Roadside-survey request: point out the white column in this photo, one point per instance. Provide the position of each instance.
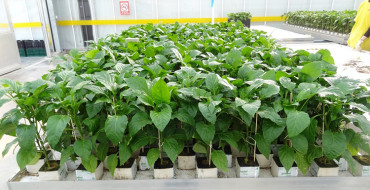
(266, 10)
(73, 28)
(93, 17)
(310, 5)
(354, 5)
(332, 4)
(114, 14)
(28, 18)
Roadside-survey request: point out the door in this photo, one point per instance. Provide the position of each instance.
(9, 54)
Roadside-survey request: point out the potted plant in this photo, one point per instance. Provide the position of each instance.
(244, 17)
(362, 167)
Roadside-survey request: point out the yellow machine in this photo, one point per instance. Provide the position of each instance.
(361, 26)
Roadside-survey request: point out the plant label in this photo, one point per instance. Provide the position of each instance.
(247, 172)
(143, 163)
(124, 7)
(293, 172)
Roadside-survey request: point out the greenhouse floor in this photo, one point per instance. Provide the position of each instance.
(351, 63)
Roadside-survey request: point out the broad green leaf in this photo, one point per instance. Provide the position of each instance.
(184, 117)
(153, 155)
(351, 162)
(229, 138)
(271, 131)
(234, 58)
(161, 93)
(269, 90)
(55, 127)
(171, 147)
(90, 163)
(208, 114)
(91, 54)
(271, 114)
(300, 143)
(219, 159)
(212, 82)
(25, 156)
(361, 107)
(124, 153)
(297, 121)
(199, 148)
(287, 83)
(360, 121)
(140, 120)
(252, 107)
(206, 132)
(315, 152)
(138, 141)
(301, 161)
(4, 101)
(194, 53)
(26, 136)
(162, 118)
(263, 146)
(115, 127)
(334, 144)
(66, 154)
(36, 158)
(112, 163)
(306, 90)
(93, 109)
(138, 83)
(286, 156)
(83, 148)
(107, 80)
(102, 150)
(311, 71)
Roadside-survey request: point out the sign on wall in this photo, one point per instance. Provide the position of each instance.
(124, 7)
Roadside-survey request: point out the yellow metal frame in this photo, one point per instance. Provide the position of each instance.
(139, 21)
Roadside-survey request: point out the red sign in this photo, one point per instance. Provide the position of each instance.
(124, 7)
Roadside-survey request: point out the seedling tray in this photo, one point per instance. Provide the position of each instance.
(186, 179)
(321, 34)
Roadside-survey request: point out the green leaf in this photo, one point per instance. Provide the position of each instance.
(360, 121)
(351, 162)
(90, 163)
(102, 150)
(208, 114)
(194, 53)
(115, 127)
(334, 144)
(162, 118)
(112, 163)
(91, 54)
(297, 121)
(184, 117)
(161, 93)
(124, 153)
(3, 101)
(171, 147)
(263, 146)
(8, 146)
(199, 148)
(286, 156)
(66, 154)
(315, 152)
(361, 107)
(55, 127)
(300, 143)
(311, 71)
(25, 156)
(306, 90)
(234, 58)
(219, 159)
(107, 80)
(93, 109)
(269, 90)
(83, 148)
(270, 113)
(212, 82)
(206, 132)
(302, 163)
(153, 155)
(26, 136)
(35, 159)
(287, 83)
(140, 120)
(138, 83)
(271, 131)
(252, 107)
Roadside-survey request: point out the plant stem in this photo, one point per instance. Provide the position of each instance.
(159, 145)
(255, 142)
(323, 129)
(38, 140)
(210, 153)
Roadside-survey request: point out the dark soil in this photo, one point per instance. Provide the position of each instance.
(249, 163)
(325, 163)
(202, 162)
(363, 160)
(187, 152)
(54, 166)
(146, 150)
(81, 167)
(127, 164)
(113, 150)
(166, 163)
(277, 161)
(227, 150)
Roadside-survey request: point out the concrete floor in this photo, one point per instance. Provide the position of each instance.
(350, 63)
